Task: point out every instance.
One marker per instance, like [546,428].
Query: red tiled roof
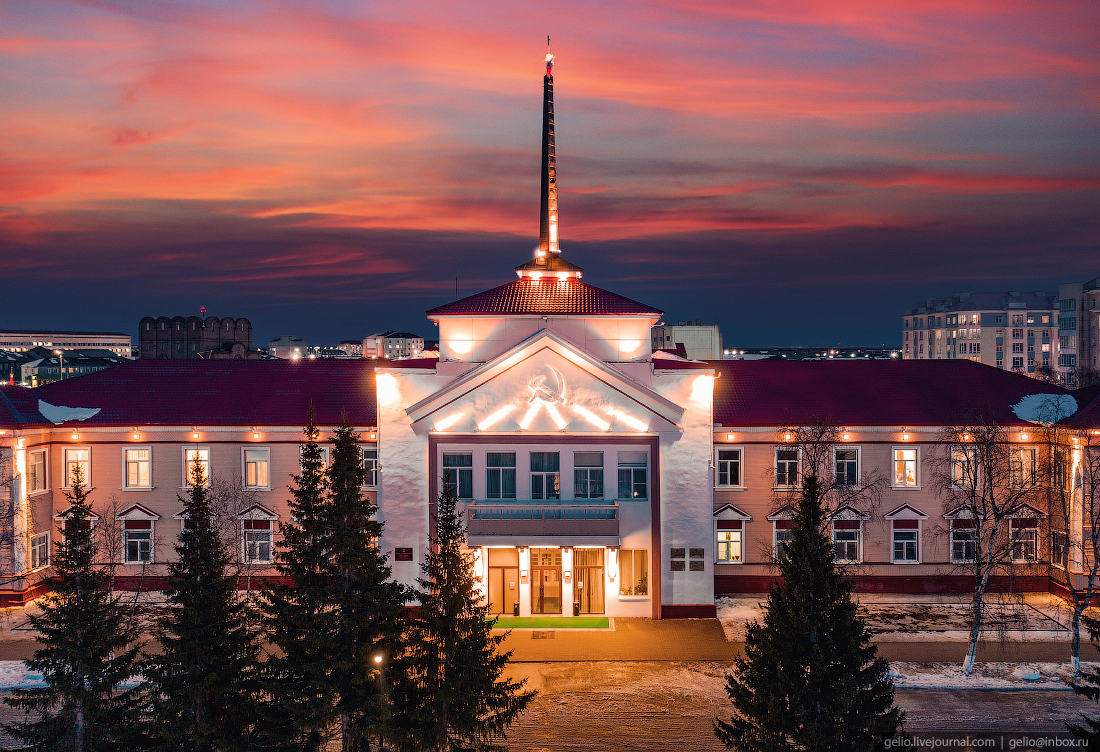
[208,392]
[546,296]
[867,392]
[1088,404]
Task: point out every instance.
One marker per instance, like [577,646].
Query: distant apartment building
[393,345]
[1014,330]
[1078,329]
[193,338]
[22,340]
[42,365]
[351,347]
[699,342]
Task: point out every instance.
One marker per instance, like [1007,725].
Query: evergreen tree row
[331,654]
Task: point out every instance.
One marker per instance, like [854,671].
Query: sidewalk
[704,640]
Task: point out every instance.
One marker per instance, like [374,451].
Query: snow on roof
[1045,409]
[58,414]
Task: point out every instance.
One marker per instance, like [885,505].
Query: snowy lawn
[989,676]
[926,618]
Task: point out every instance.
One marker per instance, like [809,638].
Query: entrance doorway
[546,580]
[503,580]
[588,566]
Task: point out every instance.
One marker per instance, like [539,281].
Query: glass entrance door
[503,585]
[588,566]
[546,580]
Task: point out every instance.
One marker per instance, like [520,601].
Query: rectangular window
[36,472]
[905,540]
[1024,464]
[588,475]
[500,475]
[78,460]
[324,456]
[1025,539]
[139,468]
[1017,347]
[781,535]
[257,541]
[370,467]
[786,468]
[137,541]
[632,475]
[905,468]
[256,468]
[964,466]
[458,472]
[633,571]
[191,455]
[729,548]
[846,541]
[847,467]
[1059,550]
[729,467]
[962,540]
[545,475]
[40,550]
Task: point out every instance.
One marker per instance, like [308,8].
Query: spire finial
[548,230]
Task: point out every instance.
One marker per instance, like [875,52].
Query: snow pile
[1045,408]
[14,675]
[58,414]
[1036,676]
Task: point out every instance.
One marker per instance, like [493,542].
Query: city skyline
[328,172]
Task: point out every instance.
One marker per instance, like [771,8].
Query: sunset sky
[798,172]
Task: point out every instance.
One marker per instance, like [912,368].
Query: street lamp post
[381,701]
[61,362]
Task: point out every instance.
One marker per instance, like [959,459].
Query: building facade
[596,474]
[1015,330]
[191,337]
[1079,331]
[699,342]
[22,340]
[393,346]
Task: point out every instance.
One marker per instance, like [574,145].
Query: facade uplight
[495,417]
[444,423]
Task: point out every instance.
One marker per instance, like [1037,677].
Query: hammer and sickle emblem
[543,392]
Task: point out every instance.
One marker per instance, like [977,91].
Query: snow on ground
[1033,676]
[899,618]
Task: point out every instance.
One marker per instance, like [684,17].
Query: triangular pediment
[545,384]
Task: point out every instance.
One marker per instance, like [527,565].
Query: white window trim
[1033,472]
[730,512]
[257,512]
[893,477]
[953,448]
[65,466]
[126,469]
[49,552]
[775,464]
[187,471]
[728,448]
[138,512]
[784,514]
[45,452]
[849,514]
[859,463]
[244,467]
[377,464]
[906,512]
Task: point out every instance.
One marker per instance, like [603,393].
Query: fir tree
[1088,685]
[339,612]
[454,697]
[88,651]
[203,686]
[810,677]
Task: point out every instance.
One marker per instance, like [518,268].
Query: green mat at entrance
[553,622]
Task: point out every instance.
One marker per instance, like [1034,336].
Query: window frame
[370,471]
[972,529]
[1020,477]
[776,485]
[461,471]
[138,520]
[587,471]
[633,470]
[1032,529]
[719,531]
[325,454]
[38,544]
[859,465]
[907,527]
[968,449]
[44,478]
[186,470]
[126,467]
[916,486]
[740,485]
[67,483]
[632,595]
[244,467]
[847,530]
[500,471]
